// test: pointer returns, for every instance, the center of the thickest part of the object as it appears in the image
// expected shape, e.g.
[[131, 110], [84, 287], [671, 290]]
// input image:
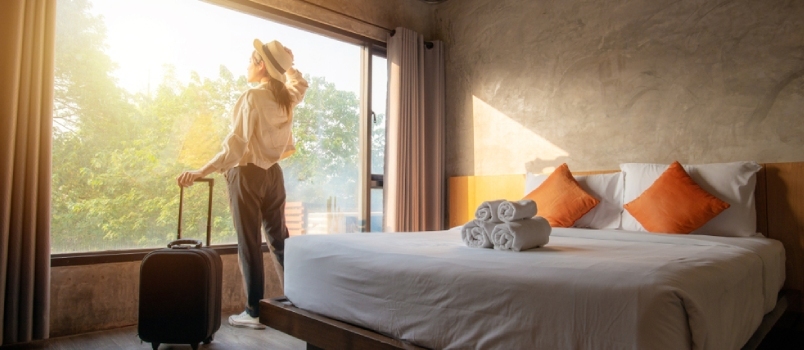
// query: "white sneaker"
[[244, 320]]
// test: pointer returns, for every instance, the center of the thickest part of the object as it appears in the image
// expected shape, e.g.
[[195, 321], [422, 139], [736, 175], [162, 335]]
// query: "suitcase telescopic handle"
[[211, 183], [184, 243]]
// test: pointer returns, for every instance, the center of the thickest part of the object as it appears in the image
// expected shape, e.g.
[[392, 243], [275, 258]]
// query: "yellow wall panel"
[[467, 192]]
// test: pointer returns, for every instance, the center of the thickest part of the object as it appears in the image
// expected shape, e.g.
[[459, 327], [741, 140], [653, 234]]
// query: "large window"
[[144, 90]]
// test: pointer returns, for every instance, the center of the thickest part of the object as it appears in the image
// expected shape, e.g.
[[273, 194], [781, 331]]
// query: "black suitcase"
[[180, 290]]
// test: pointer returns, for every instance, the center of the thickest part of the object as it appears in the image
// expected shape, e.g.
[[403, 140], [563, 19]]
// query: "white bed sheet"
[[601, 289]]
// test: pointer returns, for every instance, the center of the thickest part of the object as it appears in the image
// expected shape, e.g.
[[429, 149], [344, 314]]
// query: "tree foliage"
[[326, 129], [116, 155]]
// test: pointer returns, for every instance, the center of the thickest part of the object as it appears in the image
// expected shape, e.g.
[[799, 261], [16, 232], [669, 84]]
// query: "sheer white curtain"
[[414, 174], [26, 110]]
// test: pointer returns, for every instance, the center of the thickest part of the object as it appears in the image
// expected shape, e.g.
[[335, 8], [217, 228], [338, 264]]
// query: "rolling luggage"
[[180, 290]]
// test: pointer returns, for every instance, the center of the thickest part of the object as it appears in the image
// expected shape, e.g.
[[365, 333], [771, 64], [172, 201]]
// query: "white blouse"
[[261, 130]]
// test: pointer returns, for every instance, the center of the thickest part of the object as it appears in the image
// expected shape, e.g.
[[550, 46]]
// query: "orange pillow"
[[674, 203], [560, 199]]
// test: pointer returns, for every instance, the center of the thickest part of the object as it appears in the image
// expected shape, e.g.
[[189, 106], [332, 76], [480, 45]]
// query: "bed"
[[588, 288]]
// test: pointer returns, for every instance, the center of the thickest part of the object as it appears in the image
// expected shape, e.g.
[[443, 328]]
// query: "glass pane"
[[379, 93], [141, 96], [379, 96], [377, 213], [323, 173]]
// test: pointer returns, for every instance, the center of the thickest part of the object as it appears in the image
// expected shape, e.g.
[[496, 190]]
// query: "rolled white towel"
[[477, 234], [518, 210], [487, 211], [521, 234]]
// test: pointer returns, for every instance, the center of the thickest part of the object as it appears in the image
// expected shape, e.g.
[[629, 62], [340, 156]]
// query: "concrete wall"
[[105, 296], [533, 84]]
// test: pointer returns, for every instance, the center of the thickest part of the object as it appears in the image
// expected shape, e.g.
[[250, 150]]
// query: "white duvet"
[[587, 289]]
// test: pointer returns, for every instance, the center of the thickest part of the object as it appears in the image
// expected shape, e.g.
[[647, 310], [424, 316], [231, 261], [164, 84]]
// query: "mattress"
[[601, 289]]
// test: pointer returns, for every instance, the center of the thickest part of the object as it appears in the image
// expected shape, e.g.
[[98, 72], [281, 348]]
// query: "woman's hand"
[[290, 53], [187, 178]]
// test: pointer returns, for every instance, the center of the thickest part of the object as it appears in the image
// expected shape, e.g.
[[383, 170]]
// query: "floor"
[[227, 338], [788, 334]]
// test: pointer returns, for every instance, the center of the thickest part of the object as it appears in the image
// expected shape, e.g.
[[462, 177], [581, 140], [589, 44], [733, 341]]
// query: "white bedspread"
[[587, 289]]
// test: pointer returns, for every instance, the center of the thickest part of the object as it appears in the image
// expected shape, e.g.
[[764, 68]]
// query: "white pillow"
[[608, 188], [733, 183]]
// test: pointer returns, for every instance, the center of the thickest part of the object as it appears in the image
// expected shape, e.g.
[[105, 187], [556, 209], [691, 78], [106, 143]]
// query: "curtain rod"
[[427, 44], [349, 16]]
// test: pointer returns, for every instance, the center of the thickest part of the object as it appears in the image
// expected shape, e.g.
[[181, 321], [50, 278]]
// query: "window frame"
[[372, 46]]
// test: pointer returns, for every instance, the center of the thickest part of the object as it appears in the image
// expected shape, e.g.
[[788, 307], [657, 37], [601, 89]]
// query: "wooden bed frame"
[[780, 215]]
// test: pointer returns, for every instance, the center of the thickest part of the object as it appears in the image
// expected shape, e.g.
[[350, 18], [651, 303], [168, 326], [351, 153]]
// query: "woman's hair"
[[281, 94]]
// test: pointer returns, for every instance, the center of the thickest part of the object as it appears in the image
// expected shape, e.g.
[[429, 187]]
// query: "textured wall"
[[533, 84], [105, 296]]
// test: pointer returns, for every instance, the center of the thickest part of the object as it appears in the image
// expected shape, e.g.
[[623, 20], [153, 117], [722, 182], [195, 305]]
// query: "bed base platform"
[[321, 332], [769, 321], [325, 333]]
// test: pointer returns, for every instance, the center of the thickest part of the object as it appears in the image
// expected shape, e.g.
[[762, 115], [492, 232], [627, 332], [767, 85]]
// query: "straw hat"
[[276, 59]]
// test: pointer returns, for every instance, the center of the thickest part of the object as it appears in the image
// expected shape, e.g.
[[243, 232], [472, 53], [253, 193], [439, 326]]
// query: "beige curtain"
[[414, 174], [26, 104]]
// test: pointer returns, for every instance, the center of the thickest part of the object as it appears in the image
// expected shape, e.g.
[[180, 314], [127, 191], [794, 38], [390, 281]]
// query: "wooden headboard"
[[779, 199]]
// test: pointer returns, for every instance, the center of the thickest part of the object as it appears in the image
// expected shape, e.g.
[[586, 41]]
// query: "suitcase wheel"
[[208, 340], [194, 346], [155, 345]]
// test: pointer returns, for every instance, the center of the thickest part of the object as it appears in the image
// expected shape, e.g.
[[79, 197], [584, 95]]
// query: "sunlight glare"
[[498, 139], [195, 36], [142, 50]]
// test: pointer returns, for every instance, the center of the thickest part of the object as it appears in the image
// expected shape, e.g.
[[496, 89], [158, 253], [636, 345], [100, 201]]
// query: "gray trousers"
[[257, 201]]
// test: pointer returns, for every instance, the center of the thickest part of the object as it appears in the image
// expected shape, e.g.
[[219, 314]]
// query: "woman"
[[260, 138]]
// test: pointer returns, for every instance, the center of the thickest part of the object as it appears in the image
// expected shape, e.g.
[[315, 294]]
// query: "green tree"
[[90, 113], [326, 127], [116, 155]]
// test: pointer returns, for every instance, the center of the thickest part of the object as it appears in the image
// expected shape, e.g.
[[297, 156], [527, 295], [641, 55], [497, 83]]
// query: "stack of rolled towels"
[[506, 225]]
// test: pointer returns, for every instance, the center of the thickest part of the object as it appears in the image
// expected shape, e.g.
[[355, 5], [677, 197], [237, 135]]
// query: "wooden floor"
[[788, 334], [227, 338]]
